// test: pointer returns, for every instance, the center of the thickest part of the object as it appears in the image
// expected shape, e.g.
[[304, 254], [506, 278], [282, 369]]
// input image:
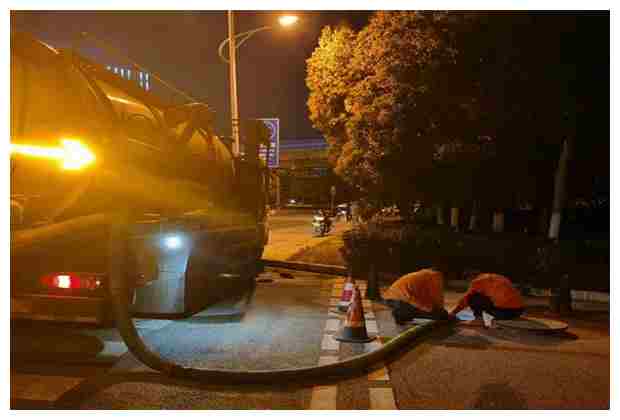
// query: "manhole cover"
[[533, 324]]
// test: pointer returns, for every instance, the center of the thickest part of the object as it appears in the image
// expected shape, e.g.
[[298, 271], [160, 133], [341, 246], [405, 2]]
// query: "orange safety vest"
[[422, 289], [497, 288]]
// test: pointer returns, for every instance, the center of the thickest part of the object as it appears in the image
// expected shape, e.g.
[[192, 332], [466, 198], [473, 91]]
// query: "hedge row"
[[528, 261]]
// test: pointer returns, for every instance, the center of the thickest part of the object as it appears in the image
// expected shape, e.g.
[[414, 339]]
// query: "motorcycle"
[[321, 224]]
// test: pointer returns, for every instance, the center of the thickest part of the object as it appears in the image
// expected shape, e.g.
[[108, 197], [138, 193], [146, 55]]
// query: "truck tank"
[[85, 143]]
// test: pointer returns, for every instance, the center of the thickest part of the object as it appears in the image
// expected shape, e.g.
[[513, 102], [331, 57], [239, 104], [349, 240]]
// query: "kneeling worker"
[[417, 295], [493, 294]]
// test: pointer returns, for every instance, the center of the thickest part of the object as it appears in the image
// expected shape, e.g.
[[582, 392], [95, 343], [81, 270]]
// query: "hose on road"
[[120, 301]]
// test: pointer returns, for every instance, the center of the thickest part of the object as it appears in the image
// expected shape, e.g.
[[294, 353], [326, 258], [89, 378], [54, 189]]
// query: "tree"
[[374, 95], [328, 79], [407, 103]]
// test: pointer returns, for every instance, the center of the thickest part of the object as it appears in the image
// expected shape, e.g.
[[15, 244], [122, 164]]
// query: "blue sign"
[[273, 158]]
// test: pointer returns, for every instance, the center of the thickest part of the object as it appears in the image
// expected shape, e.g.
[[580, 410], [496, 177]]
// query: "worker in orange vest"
[[417, 295], [493, 294]]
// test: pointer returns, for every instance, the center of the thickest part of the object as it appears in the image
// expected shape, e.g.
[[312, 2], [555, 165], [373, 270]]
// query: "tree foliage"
[[443, 106]]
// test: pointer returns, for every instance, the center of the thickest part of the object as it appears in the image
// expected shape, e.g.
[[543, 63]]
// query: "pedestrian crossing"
[[43, 385], [380, 391]]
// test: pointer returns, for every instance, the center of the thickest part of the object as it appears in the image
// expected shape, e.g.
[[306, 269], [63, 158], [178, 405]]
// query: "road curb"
[[337, 270], [577, 295]]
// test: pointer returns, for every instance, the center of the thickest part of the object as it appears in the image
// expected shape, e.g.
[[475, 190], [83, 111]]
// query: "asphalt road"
[[290, 322], [287, 218], [284, 325]]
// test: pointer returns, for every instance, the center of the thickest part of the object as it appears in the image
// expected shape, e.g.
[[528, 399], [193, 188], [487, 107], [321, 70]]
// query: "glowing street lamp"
[[234, 42], [287, 20]]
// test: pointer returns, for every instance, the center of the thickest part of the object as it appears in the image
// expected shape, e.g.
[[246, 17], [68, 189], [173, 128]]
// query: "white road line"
[[324, 397], [326, 360], [334, 302], [382, 399], [41, 387], [371, 326], [330, 343], [369, 315], [332, 324], [379, 374]]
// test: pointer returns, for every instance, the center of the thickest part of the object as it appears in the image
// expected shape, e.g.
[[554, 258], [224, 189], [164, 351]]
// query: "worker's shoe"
[[488, 320]]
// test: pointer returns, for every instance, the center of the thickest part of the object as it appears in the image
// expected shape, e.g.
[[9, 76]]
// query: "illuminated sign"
[[271, 156]]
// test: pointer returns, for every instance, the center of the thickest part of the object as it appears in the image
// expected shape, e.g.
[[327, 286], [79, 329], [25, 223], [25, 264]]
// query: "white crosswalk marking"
[[40, 387], [382, 399], [332, 324], [371, 326], [324, 397], [330, 343], [379, 374]]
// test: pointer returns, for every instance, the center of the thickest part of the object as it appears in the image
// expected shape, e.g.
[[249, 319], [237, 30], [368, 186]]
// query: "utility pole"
[[563, 302], [234, 100], [559, 190]]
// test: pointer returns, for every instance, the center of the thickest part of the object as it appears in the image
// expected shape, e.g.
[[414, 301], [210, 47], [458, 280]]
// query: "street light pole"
[[234, 99], [232, 67]]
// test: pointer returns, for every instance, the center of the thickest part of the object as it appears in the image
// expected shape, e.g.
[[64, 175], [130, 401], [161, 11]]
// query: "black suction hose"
[[120, 300]]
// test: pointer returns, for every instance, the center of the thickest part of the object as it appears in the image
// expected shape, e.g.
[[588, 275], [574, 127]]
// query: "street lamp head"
[[287, 20]]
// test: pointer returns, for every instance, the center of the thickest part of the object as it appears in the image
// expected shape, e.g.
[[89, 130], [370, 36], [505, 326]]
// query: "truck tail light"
[[84, 281]]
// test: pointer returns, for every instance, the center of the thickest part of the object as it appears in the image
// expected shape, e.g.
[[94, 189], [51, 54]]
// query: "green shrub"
[[533, 262]]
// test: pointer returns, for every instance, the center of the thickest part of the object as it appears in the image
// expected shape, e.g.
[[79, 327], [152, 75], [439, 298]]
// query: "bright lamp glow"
[[76, 156], [72, 154], [173, 242], [63, 281], [287, 20]]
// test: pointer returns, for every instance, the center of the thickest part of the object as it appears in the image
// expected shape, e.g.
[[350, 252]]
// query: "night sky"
[[181, 46]]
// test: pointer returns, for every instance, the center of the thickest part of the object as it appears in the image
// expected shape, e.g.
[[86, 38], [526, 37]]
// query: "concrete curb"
[[336, 270], [577, 295]]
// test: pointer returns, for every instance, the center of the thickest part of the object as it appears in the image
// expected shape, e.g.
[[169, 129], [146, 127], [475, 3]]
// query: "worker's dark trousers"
[[480, 303], [404, 312]]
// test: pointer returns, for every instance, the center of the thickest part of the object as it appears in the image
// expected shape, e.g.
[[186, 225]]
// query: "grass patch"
[[326, 252]]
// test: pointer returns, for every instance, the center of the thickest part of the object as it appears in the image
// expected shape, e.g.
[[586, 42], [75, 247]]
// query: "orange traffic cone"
[[345, 297], [354, 329]]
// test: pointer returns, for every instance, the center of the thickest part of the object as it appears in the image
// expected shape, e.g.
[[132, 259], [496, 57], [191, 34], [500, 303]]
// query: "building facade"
[[304, 173], [142, 78]]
